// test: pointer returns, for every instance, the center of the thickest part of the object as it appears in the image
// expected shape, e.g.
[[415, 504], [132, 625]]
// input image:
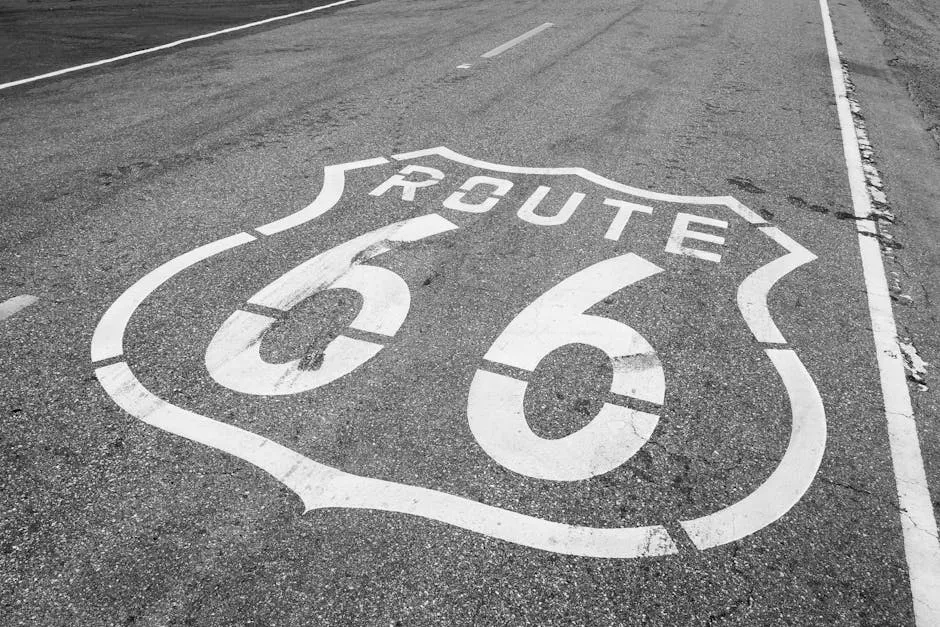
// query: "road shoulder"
[[908, 163]]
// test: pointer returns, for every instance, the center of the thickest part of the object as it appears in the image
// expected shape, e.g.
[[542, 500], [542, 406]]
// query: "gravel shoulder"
[[911, 30]]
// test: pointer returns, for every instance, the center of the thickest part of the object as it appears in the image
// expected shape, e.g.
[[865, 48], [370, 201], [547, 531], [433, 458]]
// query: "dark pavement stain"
[[767, 214], [800, 203], [845, 215], [886, 241], [746, 184]]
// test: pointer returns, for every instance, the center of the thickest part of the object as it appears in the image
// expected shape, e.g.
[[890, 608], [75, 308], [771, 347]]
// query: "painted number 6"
[[233, 357], [555, 319]]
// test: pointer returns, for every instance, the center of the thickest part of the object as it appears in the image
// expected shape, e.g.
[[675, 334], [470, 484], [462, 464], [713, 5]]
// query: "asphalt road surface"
[[440, 312], [39, 36]]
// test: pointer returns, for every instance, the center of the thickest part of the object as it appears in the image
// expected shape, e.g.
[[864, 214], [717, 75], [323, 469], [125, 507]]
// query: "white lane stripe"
[[919, 525], [172, 44], [16, 304], [518, 40]]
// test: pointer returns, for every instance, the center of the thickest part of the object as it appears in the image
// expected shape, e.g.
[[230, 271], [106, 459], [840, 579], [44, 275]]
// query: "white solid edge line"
[[172, 44], [918, 523], [15, 305], [514, 42]]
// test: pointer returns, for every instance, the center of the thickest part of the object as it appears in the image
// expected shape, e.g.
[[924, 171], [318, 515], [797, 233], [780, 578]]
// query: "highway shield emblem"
[[475, 343]]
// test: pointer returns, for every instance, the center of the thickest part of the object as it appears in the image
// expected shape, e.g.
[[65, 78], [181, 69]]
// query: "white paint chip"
[[916, 366], [16, 304]]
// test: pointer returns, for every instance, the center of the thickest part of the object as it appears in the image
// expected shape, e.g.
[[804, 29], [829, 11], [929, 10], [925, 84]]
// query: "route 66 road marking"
[[495, 409]]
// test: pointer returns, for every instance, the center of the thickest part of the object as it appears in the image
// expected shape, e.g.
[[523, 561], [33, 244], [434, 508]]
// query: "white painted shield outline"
[[321, 486]]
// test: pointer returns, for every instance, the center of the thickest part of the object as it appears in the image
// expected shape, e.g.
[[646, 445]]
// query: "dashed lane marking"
[[172, 44], [14, 305], [509, 44], [921, 544], [514, 42]]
